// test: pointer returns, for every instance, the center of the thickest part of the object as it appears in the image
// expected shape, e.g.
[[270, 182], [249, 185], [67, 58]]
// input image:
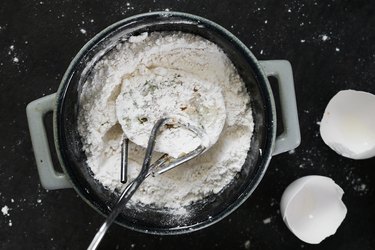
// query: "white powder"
[[325, 38], [247, 244], [135, 81], [158, 92], [5, 210], [267, 220]]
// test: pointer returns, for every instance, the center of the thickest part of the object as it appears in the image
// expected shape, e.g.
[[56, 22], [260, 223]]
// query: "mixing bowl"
[[76, 173]]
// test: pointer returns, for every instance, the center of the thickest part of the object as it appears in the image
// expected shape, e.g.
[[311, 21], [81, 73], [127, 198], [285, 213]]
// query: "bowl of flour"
[[169, 64]]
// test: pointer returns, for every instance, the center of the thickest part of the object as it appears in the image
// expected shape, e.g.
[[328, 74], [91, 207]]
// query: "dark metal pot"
[[153, 220]]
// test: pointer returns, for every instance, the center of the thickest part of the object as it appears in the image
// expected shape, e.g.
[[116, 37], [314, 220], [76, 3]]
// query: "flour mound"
[[160, 92], [147, 76]]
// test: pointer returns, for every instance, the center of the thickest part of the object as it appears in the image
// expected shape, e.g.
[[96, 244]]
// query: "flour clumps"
[[160, 74], [5, 210], [159, 92]]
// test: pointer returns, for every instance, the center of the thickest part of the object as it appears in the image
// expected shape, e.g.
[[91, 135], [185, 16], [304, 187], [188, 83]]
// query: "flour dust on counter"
[[5, 210]]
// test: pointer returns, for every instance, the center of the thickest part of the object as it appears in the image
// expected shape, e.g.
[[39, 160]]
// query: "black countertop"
[[331, 46]]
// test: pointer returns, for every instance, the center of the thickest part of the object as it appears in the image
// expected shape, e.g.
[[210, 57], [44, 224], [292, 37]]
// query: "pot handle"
[[291, 137], [49, 177]]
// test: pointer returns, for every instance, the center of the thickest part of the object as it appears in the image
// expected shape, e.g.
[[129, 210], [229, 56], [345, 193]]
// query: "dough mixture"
[[159, 74]]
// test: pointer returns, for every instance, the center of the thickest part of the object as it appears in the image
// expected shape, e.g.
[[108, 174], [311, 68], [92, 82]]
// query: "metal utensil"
[[124, 160], [162, 165]]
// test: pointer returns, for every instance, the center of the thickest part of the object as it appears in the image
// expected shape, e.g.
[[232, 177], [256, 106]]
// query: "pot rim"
[[260, 78]]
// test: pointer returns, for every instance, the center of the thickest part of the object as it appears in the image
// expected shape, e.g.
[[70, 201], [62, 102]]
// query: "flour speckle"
[[267, 220], [16, 60], [324, 38], [337, 49], [5, 210], [359, 186], [247, 244], [83, 31]]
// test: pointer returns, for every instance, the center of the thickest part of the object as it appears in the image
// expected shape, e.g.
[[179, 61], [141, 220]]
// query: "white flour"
[[174, 73], [5, 210], [158, 92]]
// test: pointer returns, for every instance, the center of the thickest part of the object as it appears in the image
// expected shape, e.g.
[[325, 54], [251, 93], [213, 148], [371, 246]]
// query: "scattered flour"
[[267, 220], [325, 38], [247, 244], [5, 210], [146, 63]]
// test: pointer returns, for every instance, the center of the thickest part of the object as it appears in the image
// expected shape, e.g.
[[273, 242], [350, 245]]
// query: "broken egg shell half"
[[312, 208], [348, 124]]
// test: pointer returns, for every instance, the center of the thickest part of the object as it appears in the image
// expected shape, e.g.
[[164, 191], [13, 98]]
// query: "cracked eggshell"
[[312, 208], [348, 124]]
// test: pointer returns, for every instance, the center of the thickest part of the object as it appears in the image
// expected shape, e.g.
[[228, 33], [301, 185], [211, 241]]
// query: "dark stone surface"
[[45, 36]]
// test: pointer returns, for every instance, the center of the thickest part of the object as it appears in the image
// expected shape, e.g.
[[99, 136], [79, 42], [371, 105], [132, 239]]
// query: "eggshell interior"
[[312, 208], [348, 124]]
